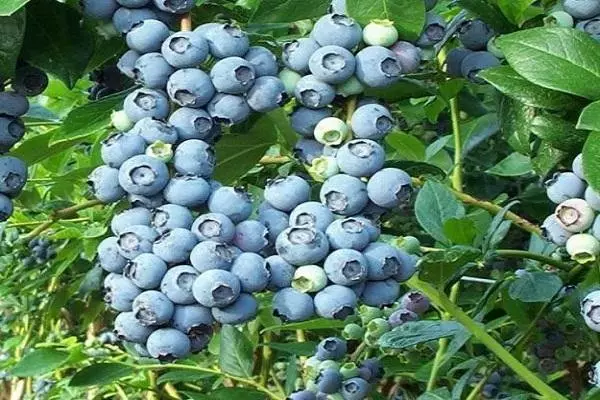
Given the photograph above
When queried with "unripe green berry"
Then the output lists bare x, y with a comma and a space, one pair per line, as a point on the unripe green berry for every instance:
353, 332
351, 87
331, 131
559, 18
380, 32
312, 364
323, 167
370, 340
410, 244
583, 248
312, 386
349, 370
368, 313
290, 80
280, 366
329, 364
121, 121
378, 327
160, 150
309, 279
335, 396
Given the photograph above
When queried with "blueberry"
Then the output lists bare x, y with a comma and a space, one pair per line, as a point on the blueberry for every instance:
338, 30
140, 350
171, 216
231, 201
372, 121
590, 310
402, 316
286, 193
167, 344
475, 62
348, 233
263, 61
103, 183
147, 36
577, 166
128, 328
11, 131
177, 284
99, 9
13, 104
346, 267
582, 9
312, 214
281, 273
475, 34
564, 186
309, 278
380, 33
332, 64
593, 198
120, 147
190, 87
344, 194
152, 308
242, 310
143, 175
6, 208
389, 187
29, 81
209, 255
454, 61
233, 75
187, 190
191, 123
216, 288
335, 302
380, 293
174, 246
195, 321
290, 304
175, 6
304, 120
185, 49
214, 226
355, 389
152, 130
302, 395
194, 157
590, 26
415, 302
108, 338
228, 109
135, 240
275, 221
267, 94
124, 19
226, 40
383, 261
360, 157
329, 381
433, 31
152, 71
331, 348
408, 55
120, 292
313, 93
251, 236
109, 257
489, 391
142, 103
251, 269
133, 3
297, 53
575, 215
127, 62
377, 66
583, 248
13, 176
146, 271
302, 245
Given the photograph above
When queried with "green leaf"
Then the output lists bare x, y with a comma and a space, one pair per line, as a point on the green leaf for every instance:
488, 13
183, 376
39, 362
514, 9
591, 160
272, 11
300, 349
547, 158
562, 59
100, 374
437, 394
590, 117
12, 31
237, 393
408, 15
460, 230
310, 325
438, 267
235, 354
416, 332
405, 88
478, 131
436, 204
291, 374
58, 42
559, 133
515, 164
416, 168
507, 81
534, 287
516, 119
9, 7
408, 147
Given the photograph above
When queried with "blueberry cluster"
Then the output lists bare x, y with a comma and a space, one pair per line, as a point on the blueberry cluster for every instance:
584, 15
41, 251
28, 81
477, 52
330, 374
574, 223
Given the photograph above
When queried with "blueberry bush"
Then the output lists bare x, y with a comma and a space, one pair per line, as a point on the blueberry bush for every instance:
300, 199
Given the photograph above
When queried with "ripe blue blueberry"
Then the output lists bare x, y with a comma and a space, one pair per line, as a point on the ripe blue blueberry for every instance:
127, 62
408, 55
146, 271
338, 30
475, 34
231, 201
454, 61
377, 66
389, 187
590, 310
307, 150
348, 233
303, 395
228, 109
592, 197
185, 49
13, 176
174, 246
267, 94
216, 288
564, 186
331, 348
233, 75
187, 190
242, 310
575, 215
286, 193
6, 207
590, 26
380, 293
582, 9
302, 245
120, 147
346, 267
372, 121
209, 255
128, 328
360, 157
251, 269
175, 6
296, 54
214, 226
281, 273
99, 9
13, 104
11, 131
171, 216
313, 93
152, 71
193, 123
103, 183
355, 389
263, 61
142, 103
196, 322
147, 36
194, 157
290, 304
433, 31
332, 64
190, 87
133, 3
153, 130
577, 166
167, 344
312, 214
329, 381
124, 19
135, 240
120, 292
177, 284
475, 62
344, 194
335, 302
304, 120
226, 40
109, 257
29, 81
251, 236
383, 261
143, 175
402, 316
153, 308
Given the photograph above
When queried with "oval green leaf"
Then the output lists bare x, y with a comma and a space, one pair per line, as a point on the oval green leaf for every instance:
100, 374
